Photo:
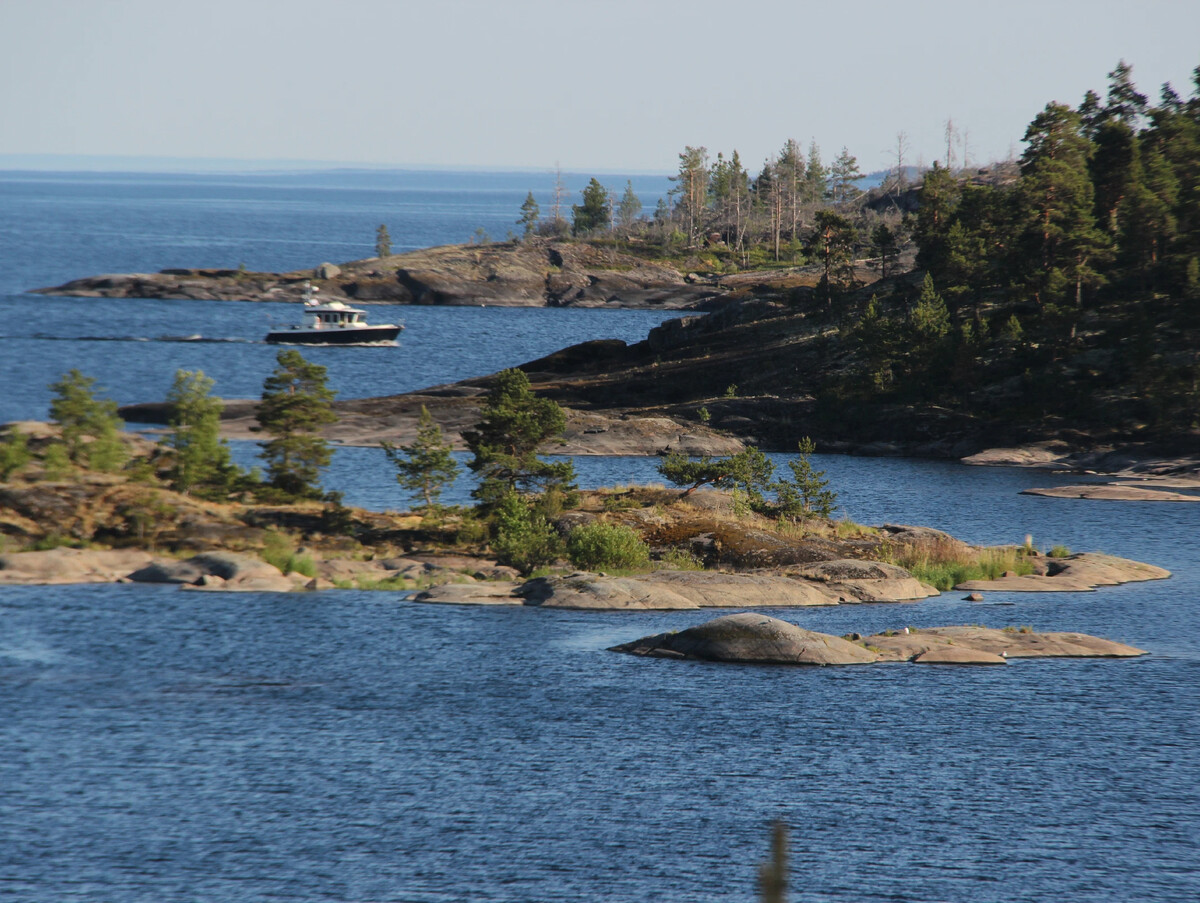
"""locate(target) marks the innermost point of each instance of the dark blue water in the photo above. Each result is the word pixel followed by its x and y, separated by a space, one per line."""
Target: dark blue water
pixel 159 745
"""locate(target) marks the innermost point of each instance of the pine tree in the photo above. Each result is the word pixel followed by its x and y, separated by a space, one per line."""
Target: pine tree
pixel 940 194
pixel 427 465
pixel 296 404
pixel 1124 102
pixel 90 426
pixel 202 459
pixel 816 176
pixel 1060 239
pixel 1112 166
pixel 844 174
pixel 630 207
pixel 884 241
pixel 833 240
pixel 530 211
pixel 748 471
pixel 383 242
pixel 514 423
pixel 929 320
pixel 593 214
pixel 691 189
pixel 807 493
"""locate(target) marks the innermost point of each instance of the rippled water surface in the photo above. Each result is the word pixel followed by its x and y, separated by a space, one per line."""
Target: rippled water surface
pixel 163 745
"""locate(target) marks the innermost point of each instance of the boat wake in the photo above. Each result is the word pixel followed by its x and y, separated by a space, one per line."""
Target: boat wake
pixel 197 338
pixel 382 344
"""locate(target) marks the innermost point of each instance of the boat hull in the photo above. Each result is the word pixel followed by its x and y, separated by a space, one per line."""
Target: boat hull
pixel 362 336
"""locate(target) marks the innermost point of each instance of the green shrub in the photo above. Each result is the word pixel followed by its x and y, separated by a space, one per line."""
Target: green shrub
pixel 1060 552
pixel 56 462
pixel 14 453
pixel 598 545
pixel 278 550
pixel 522 537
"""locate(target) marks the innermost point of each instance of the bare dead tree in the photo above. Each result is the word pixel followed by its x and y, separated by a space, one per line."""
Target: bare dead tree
pixel 902 148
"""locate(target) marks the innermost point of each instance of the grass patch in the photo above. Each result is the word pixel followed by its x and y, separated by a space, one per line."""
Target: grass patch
pixel 944 565
pixel 1060 552
pixel 280 551
pixel 392 584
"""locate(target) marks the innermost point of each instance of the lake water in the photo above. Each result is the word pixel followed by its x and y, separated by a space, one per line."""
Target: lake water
pixel 159 745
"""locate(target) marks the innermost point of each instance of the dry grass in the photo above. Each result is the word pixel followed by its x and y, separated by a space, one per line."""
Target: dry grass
pixel 944 563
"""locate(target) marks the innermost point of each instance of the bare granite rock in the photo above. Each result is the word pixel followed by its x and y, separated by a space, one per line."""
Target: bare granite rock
pixel 750 637
pixel 1112 492
pixel 491 593
pixel 936 643
pixel 675 590
pixel 63 565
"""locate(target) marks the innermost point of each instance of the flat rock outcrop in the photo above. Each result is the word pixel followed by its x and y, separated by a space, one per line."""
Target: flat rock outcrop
pixel 1081 572
pixel 1113 492
pixel 669 589
pixel 492 593
pixel 753 638
pixel 946 644
pixel 64 565
pixel 756 638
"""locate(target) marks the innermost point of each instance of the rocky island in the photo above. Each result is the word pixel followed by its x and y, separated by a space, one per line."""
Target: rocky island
pixel 752 638
pixel 540 273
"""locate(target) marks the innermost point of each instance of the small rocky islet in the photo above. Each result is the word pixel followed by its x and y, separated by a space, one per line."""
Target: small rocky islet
pixel 753 638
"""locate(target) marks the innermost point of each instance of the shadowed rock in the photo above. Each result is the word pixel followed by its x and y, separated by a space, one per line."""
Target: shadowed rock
pixel 749 637
pixel 232 571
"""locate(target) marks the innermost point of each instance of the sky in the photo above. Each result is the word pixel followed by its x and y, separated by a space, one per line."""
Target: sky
pixel 608 86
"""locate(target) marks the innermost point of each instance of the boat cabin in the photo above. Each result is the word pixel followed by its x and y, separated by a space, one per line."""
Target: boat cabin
pixel 334 315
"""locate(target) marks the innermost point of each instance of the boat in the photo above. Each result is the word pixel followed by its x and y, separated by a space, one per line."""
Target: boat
pixel 333 323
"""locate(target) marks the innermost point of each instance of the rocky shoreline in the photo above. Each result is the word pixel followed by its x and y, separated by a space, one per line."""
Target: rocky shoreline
pixel 534 273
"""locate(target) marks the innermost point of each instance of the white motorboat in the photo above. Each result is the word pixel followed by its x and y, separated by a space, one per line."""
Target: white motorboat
pixel 333 323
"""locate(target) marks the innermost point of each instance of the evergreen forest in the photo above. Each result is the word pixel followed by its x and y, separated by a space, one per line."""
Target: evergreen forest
pixel 1060 286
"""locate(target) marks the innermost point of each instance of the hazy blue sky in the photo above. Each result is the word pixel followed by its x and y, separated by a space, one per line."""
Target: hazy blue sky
pixel 618 85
